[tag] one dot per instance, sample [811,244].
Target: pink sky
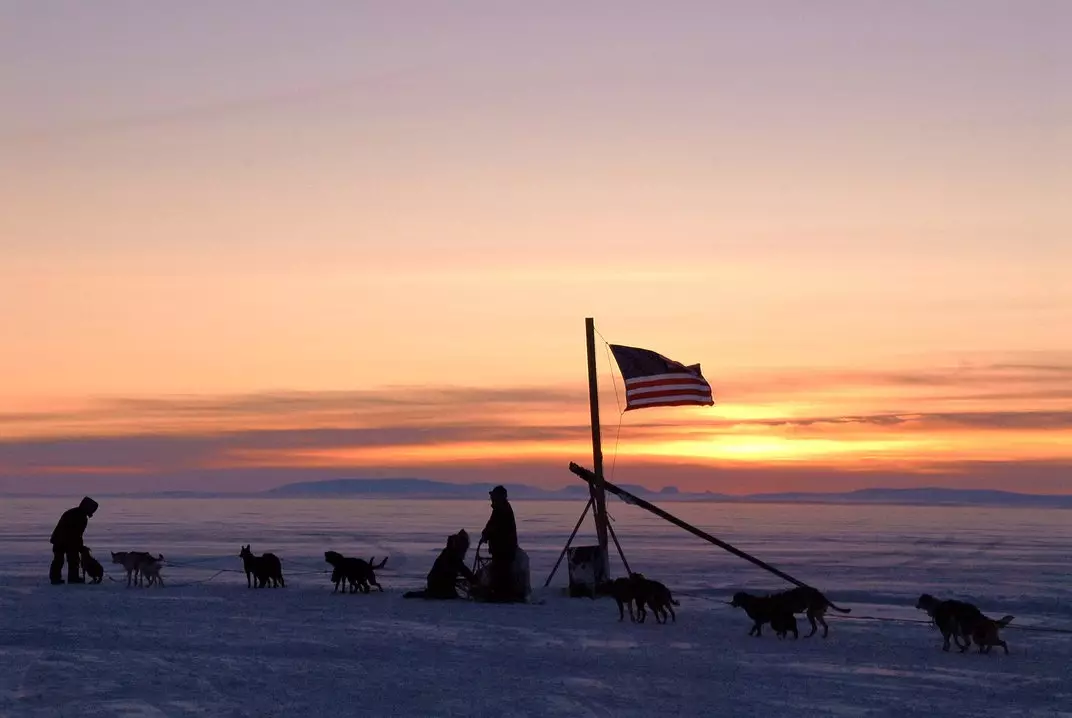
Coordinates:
[242,244]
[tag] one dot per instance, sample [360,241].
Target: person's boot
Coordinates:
[55,570]
[74,569]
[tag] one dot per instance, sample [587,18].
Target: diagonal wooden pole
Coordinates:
[629,498]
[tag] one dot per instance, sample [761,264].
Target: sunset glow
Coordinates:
[362,242]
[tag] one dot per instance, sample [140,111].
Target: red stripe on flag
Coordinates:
[668,402]
[698,391]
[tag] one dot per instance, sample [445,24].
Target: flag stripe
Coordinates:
[676,391]
[663,385]
[679,375]
[695,400]
[643,386]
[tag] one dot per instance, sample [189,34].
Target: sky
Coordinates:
[247,243]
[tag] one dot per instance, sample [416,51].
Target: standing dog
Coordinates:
[91,567]
[264,568]
[359,573]
[131,561]
[955,619]
[960,619]
[655,596]
[624,592]
[985,634]
[759,609]
[809,601]
[643,592]
[150,568]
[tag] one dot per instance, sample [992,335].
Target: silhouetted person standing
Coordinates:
[67,541]
[500,533]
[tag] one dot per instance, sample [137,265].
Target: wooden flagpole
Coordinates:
[597,486]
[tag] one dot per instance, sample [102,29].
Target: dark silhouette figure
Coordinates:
[448,566]
[67,541]
[500,533]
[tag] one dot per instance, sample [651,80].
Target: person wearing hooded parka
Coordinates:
[67,541]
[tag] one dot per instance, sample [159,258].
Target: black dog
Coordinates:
[359,573]
[264,568]
[642,592]
[806,600]
[960,619]
[985,634]
[759,609]
[91,567]
[955,619]
[624,592]
[655,596]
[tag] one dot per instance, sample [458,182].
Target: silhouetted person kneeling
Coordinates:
[500,533]
[443,578]
[67,541]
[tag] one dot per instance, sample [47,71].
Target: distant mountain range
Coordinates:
[412,488]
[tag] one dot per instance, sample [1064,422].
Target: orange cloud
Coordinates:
[845,421]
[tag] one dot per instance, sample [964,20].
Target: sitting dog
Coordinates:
[91,567]
[653,595]
[131,562]
[359,573]
[960,619]
[264,568]
[150,568]
[809,601]
[783,624]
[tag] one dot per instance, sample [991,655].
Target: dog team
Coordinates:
[955,619]
[958,621]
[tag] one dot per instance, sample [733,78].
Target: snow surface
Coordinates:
[217,648]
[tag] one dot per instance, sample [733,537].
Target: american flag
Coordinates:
[653,380]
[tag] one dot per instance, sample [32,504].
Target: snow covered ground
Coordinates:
[216,648]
